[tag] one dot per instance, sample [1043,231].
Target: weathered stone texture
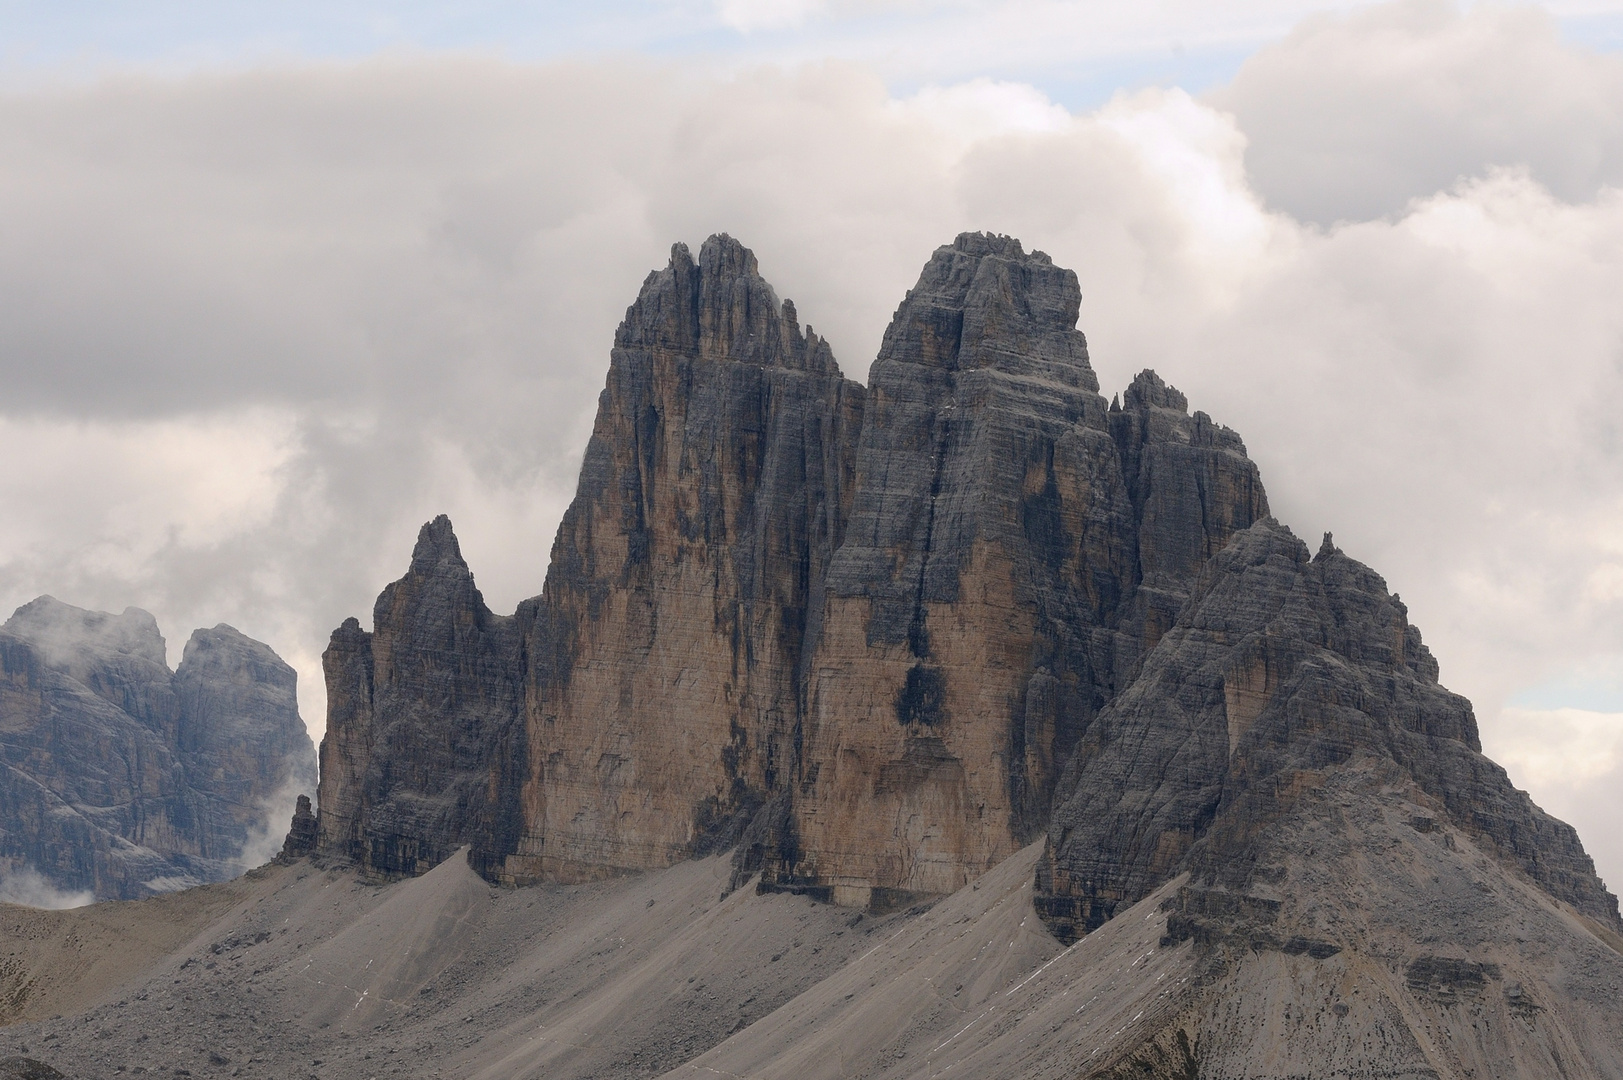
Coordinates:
[123,778]
[1280,669]
[986,601]
[423,741]
[663,695]
[879,639]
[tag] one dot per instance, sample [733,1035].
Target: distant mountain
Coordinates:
[122,778]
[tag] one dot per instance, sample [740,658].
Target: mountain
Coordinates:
[855,631]
[960,724]
[877,639]
[123,778]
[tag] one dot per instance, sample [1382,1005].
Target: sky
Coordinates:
[281,281]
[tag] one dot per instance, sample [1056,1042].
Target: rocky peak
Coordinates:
[982,302]
[438,583]
[880,640]
[437,549]
[239,717]
[720,308]
[1279,668]
[120,658]
[1149,391]
[70,636]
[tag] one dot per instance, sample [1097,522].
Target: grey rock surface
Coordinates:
[303,832]
[1014,544]
[879,639]
[422,718]
[1281,670]
[122,778]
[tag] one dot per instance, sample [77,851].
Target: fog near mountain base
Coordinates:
[256,327]
[28,887]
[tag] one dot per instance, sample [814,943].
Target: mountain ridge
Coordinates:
[878,638]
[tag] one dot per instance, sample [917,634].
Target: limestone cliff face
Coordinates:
[859,631]
[123,778]
[1014,544]
[878,639]
[423,742]
[662,698]
[1280,671]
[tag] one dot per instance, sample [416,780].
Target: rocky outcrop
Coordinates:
[1014,544]
[663,697]
[1281,670]
[122,778]
[302,833]
[423,744]
[770,606]
[878,639]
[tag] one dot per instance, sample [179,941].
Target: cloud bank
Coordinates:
[256,327]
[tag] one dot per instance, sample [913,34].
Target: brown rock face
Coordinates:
[662,697]
[1014,544]
[877,640]
[859,630]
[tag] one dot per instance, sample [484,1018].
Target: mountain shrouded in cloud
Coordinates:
[123,778]
[261,324]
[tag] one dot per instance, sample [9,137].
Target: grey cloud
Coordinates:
[1352,116]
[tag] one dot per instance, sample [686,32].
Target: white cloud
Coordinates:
[1352,116]
[28,887]
[1572,759]
[747,15]
[349,298]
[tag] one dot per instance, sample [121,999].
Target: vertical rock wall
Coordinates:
[424,748]
[856,631]
[987,599]
[662,698]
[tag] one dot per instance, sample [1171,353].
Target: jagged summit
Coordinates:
[436,542]
[1279,669]
[69,634]
[1149,391]
[877,639]
[981,302]
[720,308]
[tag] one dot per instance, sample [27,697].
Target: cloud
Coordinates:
[28,887]
[747,15]
[263,324]
[1352,116]
[1573,758]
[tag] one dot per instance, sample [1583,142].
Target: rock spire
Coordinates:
[875,639]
